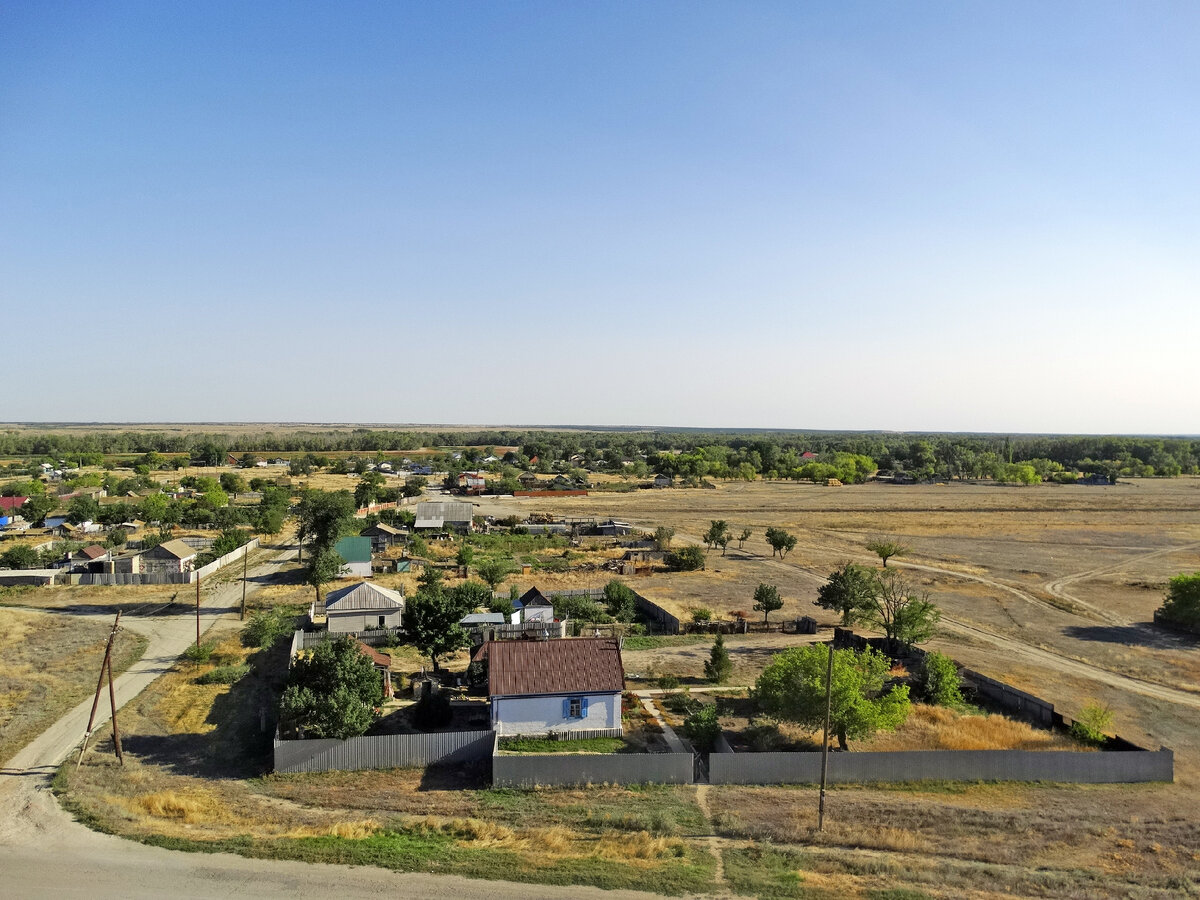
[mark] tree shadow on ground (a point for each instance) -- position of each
(475, 775)
(1142, 634)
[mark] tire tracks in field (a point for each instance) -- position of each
(1037, 655)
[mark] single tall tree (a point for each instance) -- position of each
(886, 547)
(493, 571)
(744, 536)
(848, 591)
(901, 612)
(767, 599)
(431, 621)
(781, 542)
(719, 666)
(323, 567)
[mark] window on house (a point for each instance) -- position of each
(382, 621)
(575, 708)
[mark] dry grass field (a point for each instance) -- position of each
(49, 664)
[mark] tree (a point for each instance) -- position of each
(116, 538)
(248, 461)
(1094, 720)
(781, 542)
(21, 556)
(233, 483)
(885, 548)
(685, 559)
(744, 536)
(471, 595)
(493, 571)
(621, 600)
(431, 621)
(792, 688)
(901, 613)
(153, 508)
(703, 727)
(1182, 604)
(465, 555)
(848, 591)
(333, 691)
(939, 680)
(323, 567)
(663, 535)
(719, 666)
(579, 609)
(718, 531)
(324, 516)
(767, 599)
(82, 509)
(38, 506)
(367, 490)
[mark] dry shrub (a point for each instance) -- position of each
(941, 728)
(191, 807)
(638, 845)
(364, 828)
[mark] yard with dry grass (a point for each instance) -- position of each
(49, 664)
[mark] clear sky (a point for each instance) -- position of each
(942, 216)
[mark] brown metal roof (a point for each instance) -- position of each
(177, 548)
(379, 659)
(93, 552)
(564, 666)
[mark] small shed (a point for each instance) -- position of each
(362, 607)
(534, 606)
(384, 536)
(356, 551)
(170, 557)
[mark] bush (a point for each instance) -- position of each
(224, 675)
(668, 682)
(266, 627)
(1182, 604)
(199, 653)
(719, 666)
(701, 614)
(686, 559)
(940, 683)
(1094, 719)
(702, 727)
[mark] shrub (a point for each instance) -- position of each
(1094, 719)
(940, 682)
(1182, 604)
(701, 614)
(199, 653)
(719, 666)
(686, 559)
(668, 682)
(266, 627)
(702, 727)
(224, 675)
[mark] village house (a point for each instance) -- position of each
(88, 559)
(362, 607)
(169, 558)
(444, 514)
(543, 687)
(356, 551)
(384, 536)
(613, 528)
(663, 481)
(534, 606)
(528, 480)
(471, 483)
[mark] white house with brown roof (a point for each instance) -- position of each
(538, 687)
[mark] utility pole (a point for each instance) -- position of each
(245, 563)
(112, 702)
(197, 610)
(825, 743)
(105, 667)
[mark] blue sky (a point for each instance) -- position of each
(943, 216)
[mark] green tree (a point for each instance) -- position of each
(116, 538)
(1094, 720)
(1182, 604)
(900, 612)
(332, 691)
(38, 506)
(248, 461)
(663, 535)
(465, 555)
(685, 559)
(719, 666)
(792, 688)
(233, 483)
(368, 488)
(718, 531)
(781, 542)
(887, 547)
(21, 556)
(578, 609)
(153, 507)
(323, 517)
(471, 595)
(431, 621)
(744, 536)
(940, 683)
(848, 591)
(621, 600)
(493, 571)
(82, 509)
(767, 599)
(703, 727)
(323, 567)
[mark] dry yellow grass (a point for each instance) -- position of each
(939, 728)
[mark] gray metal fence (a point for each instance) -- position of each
(945, 765)
(382, 751)
(527, 770)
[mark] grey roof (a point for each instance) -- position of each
(437, 514)
(532, 597)
(364, 596)
(483, 619)
(382, 528)
(176, 548)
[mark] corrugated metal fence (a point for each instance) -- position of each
(384, 751)
(525, 770)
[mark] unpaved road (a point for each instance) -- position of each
(44, 853)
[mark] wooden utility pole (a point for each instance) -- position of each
(112, 701)
(197, 610)
(825, 743)
(105, 668)
(245, 563)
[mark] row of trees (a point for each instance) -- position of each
(883, 600)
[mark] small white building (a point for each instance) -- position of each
(538, 687)
(533, 606)
(363, 607)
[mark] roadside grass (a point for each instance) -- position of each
(545, 745)
(48, 664)
(659, 641)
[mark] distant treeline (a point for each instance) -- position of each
(686, 453)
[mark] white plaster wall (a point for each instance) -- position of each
(341, 623)
(537, 715)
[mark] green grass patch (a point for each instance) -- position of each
(769, 874)
(545, 745)
(224, 675)
(658, 641)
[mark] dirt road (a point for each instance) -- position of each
(44, 853)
